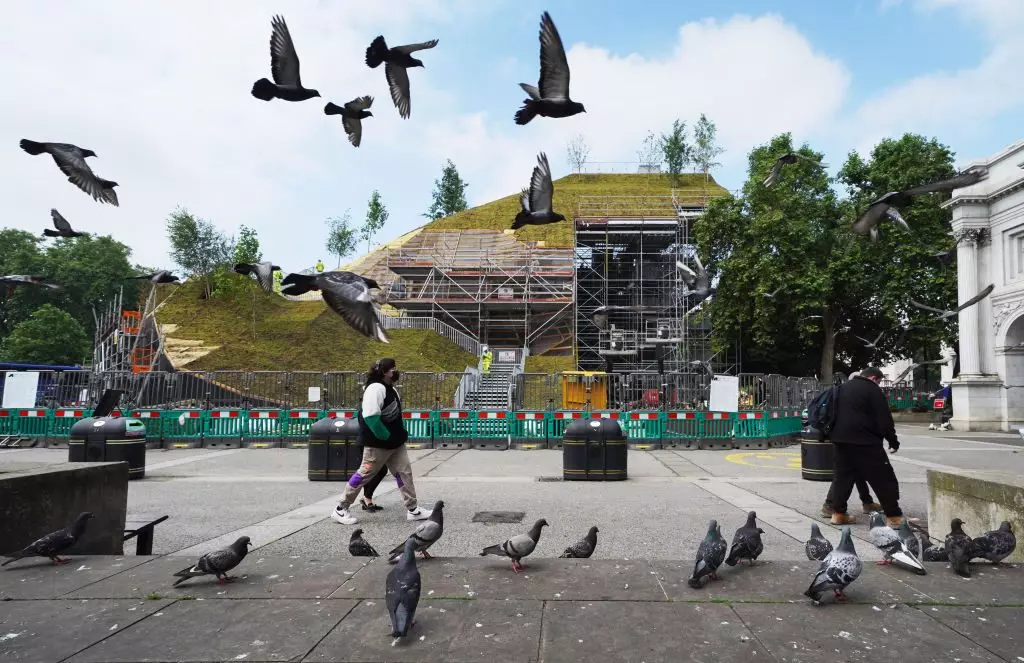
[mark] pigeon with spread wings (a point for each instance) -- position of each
(347, 294)
(264, 272)
(71, 161)
(397, 60)
(352, 115)
(536, 202)
(947, 313)
(887, 204)
(551, 96)
(785, 160)
(63, 228)
(284, 67)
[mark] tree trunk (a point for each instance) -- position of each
(828, 346)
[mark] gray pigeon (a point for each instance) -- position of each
(699, 283)
(710, 555)
(947, 313)
(402, 591)
(360, 547)
(347, 294)
(894, 549)
(264, 272)
(284, 67)
(933, 553)
(217, 563)
(995, 546)
(536, 202)
(837, 571)
(551, 96)
(63, 228)
(817, 547)
(788, 159)
(13, 281)
(583, 548)
(913, 367)
(161, 276)
(518, 547)
(887, 204)
(908, 537)
(427, 533)
(352, 115)
(959, 548)
(746, 543)
(71, 161)
(872, 345)
(54, 543)
(396, 60)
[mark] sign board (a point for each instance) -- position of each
(505, 292)
(20, 389)
(506, 356)
(725, 394)
(939, 404)
(314, 395)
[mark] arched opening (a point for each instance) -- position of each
(1011, 356)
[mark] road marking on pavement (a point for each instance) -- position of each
(192, 459)
(776, 460)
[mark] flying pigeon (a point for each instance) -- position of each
(913, 367)
(54, 543)
(161, 276)
(944, 313)
(427, 533)
(995, 546)
(773, 292)
(872, 344)
(63, 228)
(352, 114)
(402, 591)
(264, 272)
(698, 282)
(746, 543)
(347, 294)
(894, 549)
(536, 201)
(71, 161)
(704, 367)
(284, 67)
(551, 96)
(13, 281)
(817, 547)
(710, 555)
(785, 160)
(583, 548)
(945, 258)
(217, 563)
(885, 206)
(396, 60)
(359, 547)
(518, 547)
(959, 548)
(909, 538)
(837, 571)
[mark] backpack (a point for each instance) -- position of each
(821, 413)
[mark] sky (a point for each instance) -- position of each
(160, 91)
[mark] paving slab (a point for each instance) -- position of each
(38, 578)
(446, 631)
(493, 578)
(989, 584)
(635, 631)
(52, 630)
(241, 630)
(856, 633)
(998, 630)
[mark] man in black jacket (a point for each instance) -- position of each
(863, 420)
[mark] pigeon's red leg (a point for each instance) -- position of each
(426, 554)
(515, 566)
(840, 597)
(714, 576)
(58, 560)
(884, 562)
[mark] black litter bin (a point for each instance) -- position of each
(334, 453)
(594, 450)
(109, 440)
(816, 457)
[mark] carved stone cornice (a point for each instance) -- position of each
(973, 235)
(1002, 312)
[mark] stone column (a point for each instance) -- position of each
(967, 278)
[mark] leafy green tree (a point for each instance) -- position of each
(20, 254)
(705, 146)
(247, 246)
(675, 149)
(449, 194)
(376, 216)
(197, 247)
(341, 236)
(48, 336)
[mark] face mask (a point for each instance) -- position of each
(395, 375)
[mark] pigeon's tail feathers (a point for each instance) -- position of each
(531, 90)
(31, 146)
(51, 233)
(14, 556)
(493, 550)
(378, 331)
(185, 574)
(376, 52)
(521, 220)
(332, 109)
(264, 89)
(527, 112)
(298, 284)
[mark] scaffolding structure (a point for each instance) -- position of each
(127, 343)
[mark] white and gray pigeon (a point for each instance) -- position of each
(908, 537)
(352, 115)
(710, 555)
(402, 591)
(871, 345)
(63, 228)
(264, 272)
(886, 205)
(786, 160)
(959, 548)
(894, 549)
(536, 201)
(949, 313)
(347, 294)
(161, 276)
(217, 563)
(71, 161)
(817, 547)
(518, 547)
(583, 548)
(699, 283)
(54, 543)
(427, 533)
(995, 546)
(360, 547)
(837, 571)
(551, 96)
(12, 281)
(284, 67)
(913, 367)
(746, 543)
(396, 61)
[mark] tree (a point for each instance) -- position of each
(675, 149)
(449, 194)
(376, 215)
(341, 236)
(247, 248)
(577, 151)
(705, 146)
(649, 153)
(20, 254)
(197, 247)
(48, 336)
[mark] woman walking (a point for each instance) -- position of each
(366, 501)
(383, 435)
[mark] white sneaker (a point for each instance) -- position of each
(418, 514)
(342, 516)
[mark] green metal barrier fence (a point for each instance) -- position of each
(420, 425)
(529, 430)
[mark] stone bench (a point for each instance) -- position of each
(982, 499)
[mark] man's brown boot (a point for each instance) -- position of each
(871, 507)
(827, 510)
(843, 519)
(894, 521)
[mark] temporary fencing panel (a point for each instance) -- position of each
(63, 420)
(491, 430)
(263, 429)
(222, 429)
(8, 422)
(716, 431)
(558, 423)
(183, 429)
(296, 431)
(644, 430)
(419, 424)
(682, 430)
(529, 430)
(455, 429)
(34, 423)
(154, 427)
(750, 431)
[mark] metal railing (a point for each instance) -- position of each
(459, 338)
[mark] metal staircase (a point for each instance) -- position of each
(492, 390)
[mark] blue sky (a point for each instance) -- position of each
(160, 91)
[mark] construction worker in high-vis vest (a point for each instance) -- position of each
(319, 266)
(487, 357)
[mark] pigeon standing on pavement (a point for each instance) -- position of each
(746, 543)
(909, 538)
(402, 591)
(894, 549)
(518, 547)
(427, 533)
(396, 61)
(710, 555)
(887, 204)
(284, 67)
(347, 294)
(959, 548)
(583, 548)
(837, 571)
(551, 96)
(217, 563)
(360, 547)
(162, 276)
(536, 201)
(785, 160)
(817, 547)
(352, 114)
(995, 546)
(949, 313)
(71, 161)
(264, 272)
(63, 228)
(54, 543)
